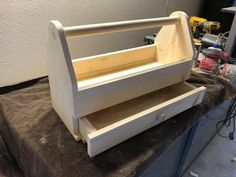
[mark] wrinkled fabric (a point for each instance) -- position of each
(8, 166)
(42, 146)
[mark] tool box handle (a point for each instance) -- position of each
(105, 28)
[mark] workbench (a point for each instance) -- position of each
(42, 146)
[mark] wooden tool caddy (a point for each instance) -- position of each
(106, 99)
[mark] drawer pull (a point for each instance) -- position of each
(161, 117)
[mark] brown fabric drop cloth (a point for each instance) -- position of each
(43, 147)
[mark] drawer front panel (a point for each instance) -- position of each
(103, 139)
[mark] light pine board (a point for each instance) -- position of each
(62, 81)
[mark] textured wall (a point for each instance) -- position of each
(23, 31)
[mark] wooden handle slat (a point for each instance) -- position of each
(105, 28)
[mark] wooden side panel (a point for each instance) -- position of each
(94, 66)
(174, 42)
(103, 96)
(63, 85)
(103, 139)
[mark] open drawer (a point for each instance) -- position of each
(108, 127)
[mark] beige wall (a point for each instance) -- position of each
(23, 30)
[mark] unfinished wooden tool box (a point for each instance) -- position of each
(106, 99)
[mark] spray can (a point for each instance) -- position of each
(228, 70)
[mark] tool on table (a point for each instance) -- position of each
(195, 25)
(150, 39)
(228, 70)
(201, 26)
(210, 26)
(214, 57)
(209, 40)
